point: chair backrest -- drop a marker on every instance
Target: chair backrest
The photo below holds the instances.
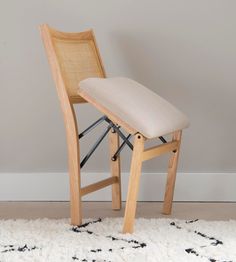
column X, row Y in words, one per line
column 73, row 57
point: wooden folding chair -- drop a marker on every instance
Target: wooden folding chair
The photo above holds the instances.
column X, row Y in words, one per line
column 80, row 77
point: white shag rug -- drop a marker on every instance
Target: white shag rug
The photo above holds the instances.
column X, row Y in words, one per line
column 100, row 240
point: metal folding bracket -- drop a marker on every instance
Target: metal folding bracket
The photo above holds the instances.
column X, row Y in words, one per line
column 91, row 127
column 118, row 151
column 164, row 142
column 112, row 126
column 115, row 128
column 91, row 151
column 119, row 132
column 162, row 139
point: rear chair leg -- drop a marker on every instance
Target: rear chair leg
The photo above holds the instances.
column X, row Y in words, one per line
column 115, row 170
column 134, row 180
column 171, row 177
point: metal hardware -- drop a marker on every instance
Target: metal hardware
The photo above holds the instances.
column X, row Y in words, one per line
column 114, row 129
column 117, row 129
column 91, row 127
column 162, row 139
column 124, row 138
column 85, row 159
column 164, row 142
column 117, row 153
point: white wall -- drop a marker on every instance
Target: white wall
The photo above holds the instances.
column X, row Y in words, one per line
column 185, row 50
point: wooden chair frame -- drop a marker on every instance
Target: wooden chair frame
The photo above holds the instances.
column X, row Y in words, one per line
column 67, row 100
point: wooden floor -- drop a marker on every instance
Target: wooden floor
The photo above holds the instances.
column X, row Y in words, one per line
column 181, row 210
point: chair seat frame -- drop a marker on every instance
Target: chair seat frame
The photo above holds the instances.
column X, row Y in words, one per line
column 114, row 128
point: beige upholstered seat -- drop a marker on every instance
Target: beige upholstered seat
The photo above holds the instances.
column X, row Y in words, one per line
column 136, row 105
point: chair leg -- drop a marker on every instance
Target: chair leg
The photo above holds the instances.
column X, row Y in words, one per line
column 74, row 176
column 115, row 170
column 134, row 180
column 171, row 177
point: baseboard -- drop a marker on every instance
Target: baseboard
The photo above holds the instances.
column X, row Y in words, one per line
column 55, row 187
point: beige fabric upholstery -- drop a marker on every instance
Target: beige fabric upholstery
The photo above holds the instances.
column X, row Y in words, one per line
column 136, row 105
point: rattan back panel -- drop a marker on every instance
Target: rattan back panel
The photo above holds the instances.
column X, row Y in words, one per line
column 78, row 60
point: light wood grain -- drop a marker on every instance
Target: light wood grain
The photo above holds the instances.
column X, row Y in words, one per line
column 171, row 177
column 134, row 180
column 72, row 57
column 115, row 170
column 98, row 185
column 159, row 150
column 70, row 125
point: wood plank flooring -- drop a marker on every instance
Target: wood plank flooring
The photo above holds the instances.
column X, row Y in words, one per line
column 181, row 210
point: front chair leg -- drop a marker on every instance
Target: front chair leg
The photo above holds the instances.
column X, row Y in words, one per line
column 134, row 180
column 74, row 176
column 171, row 177
column 115, row 170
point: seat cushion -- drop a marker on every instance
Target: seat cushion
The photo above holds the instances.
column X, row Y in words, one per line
column 139, row 107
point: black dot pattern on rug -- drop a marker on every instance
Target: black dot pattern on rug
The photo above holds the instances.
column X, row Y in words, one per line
column 12, row 248
column 213, row 241
column 85, row 260
column 135, row 244
column 107, row 251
